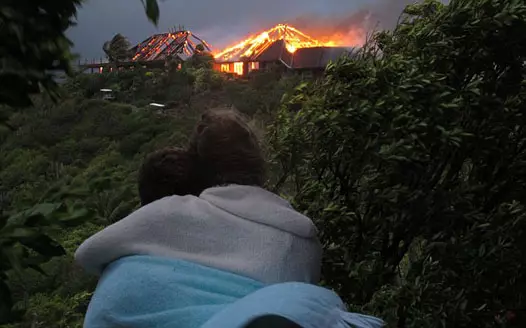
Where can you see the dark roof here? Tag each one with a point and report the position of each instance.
(275, 52)
(317, 57)
(272, 53)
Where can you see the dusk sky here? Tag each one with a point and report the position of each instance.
(218, 22)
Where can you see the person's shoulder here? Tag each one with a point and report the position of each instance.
(174, 199)
(171, 204)
(162, 209)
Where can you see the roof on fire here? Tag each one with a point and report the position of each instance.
(163, 45)
(302, 58)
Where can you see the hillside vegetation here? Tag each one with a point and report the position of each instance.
(412, 159)
(410, 156)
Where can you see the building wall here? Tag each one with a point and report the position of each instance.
(245, 68)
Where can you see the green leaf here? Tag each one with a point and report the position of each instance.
(6, 302)
(19, 233)
(14, 258)
(75, 218)
(45, 246)
(152, 10)
(36, 219)
(38, 269)
(46, 209)
(3, 221)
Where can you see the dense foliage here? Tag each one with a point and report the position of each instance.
(33, 44)
(33, 49)
(412, 158)
(85, 147)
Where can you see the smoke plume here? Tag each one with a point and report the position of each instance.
(351, 27)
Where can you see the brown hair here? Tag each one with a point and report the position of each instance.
(227, 150)
(223, 150)
(167, 172)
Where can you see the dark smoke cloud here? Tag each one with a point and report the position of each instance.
(223, 22)
(352, 26)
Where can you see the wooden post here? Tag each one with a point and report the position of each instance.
(245, 68)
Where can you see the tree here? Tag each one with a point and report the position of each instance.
(33, 48)
(201, 58)
(199, 48)
(117, 49)
(412, 158)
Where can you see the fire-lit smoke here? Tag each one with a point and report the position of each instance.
(348, 29)
(343, 30)
(352, 28)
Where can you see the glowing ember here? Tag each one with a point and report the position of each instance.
(255, 45)
(161, 46)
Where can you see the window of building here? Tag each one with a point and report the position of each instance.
(225, 67)
(253, 66)
(238, 68)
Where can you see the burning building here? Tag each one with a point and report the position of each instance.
(282, 45)
(181, 44)
(154, 51)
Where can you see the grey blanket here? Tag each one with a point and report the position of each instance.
(240, 229)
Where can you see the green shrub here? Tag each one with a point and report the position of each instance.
(411, 156)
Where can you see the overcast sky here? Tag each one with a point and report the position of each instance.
(219, 22)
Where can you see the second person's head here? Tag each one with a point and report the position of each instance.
(227, 150)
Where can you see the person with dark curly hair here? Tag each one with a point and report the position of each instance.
(167, 172)
(212, 248)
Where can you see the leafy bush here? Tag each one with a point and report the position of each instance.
(411, 156)
(95, 155)
(33, 44)
(33, 48)
(262, 93)
(206, 79)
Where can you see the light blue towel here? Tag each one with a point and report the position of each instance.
(241, 229)
(150, 292)
(306, 305)
(146, 291)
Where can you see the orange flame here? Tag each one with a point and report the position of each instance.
(179, 42)
(294, 39)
